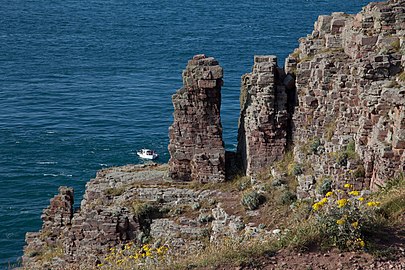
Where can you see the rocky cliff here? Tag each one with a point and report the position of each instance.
(337, 108)
(349, 122)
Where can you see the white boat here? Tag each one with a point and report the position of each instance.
(147, 154)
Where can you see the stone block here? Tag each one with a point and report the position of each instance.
(367, 41)
(265, 58)
(207, 83)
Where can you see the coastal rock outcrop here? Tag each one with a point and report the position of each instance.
(264, 121)
(349, 123)
(196, 147)
(130, 204)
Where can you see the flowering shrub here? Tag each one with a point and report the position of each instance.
(134, 257)
(341, 214)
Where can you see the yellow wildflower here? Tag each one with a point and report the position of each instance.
(323, 201)
(373, 204)
(355, 224)
(330, 193)
(146, 247)
(341, 203)
(348, 185)
(340, 221)
(360, 242)
(316, 206)
(100, 265)
(354, 193)
(162, 250)
(360, 199)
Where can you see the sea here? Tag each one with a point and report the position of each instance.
(84, 84)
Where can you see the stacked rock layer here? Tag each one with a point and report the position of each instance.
(196, 147)
(264, 118)
(350, 120)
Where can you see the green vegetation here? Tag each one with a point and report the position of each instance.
(115, 191)
(359, 172)
(349, 153)
(47, 253)
(296, 53)
(345, 219)
(393, 198)
(396, 45)
(288, 197)
(311, 146)
(341, 214)
(287, 164)
(144, 209)
(295, 169)
(251, 199)
(324, 186)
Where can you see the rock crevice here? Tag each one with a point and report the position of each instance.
(264, 123)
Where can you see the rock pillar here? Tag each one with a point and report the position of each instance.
(264, 118)
(60, 211)
(196, 147)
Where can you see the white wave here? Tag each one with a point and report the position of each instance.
(50, 174)
(47, 162)
(66, 175)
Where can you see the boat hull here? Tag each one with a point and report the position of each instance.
(150, 157)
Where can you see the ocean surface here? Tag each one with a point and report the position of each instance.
(84, 84)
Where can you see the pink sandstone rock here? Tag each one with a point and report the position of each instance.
(263, 122)
(196, 147)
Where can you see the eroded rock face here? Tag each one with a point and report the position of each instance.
(264, 120)
(56, 218)
(196, 147)
(349, 124)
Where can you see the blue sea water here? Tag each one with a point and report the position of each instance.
(83, 84)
